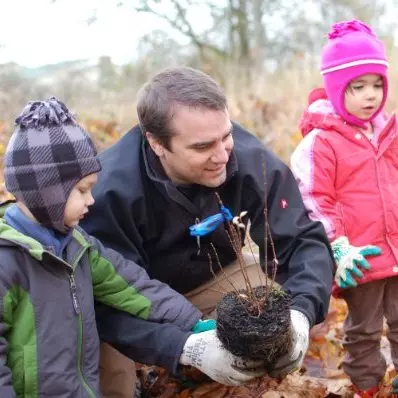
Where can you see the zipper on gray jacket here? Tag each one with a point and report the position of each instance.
(72, 282)
(75, 300)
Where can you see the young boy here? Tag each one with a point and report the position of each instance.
(51, 270)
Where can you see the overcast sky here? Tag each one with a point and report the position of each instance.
(38, 32)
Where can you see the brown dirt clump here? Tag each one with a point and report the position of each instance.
(251, 332)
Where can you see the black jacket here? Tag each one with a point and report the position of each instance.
(142, 214)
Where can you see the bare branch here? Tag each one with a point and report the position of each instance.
(181, 24)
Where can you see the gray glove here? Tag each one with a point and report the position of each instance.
(294, 358)
(205, 352)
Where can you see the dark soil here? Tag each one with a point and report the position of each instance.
(250, 335)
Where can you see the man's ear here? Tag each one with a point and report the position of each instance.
(154, 143)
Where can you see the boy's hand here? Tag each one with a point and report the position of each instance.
(349, 260)
(203, 326)
(395, 385)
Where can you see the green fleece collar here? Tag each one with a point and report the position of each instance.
(35, 248)
(10, 234)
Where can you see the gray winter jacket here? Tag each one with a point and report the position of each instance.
(49, 345)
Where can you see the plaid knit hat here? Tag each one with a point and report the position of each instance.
(46, 156)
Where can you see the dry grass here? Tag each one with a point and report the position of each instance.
(270, 106)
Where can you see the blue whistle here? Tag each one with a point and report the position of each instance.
(211, 223)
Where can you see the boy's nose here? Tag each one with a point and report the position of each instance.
(91, 200)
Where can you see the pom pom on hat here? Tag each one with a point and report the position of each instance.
(342, 28)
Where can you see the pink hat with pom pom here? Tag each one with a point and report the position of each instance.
(353, 50)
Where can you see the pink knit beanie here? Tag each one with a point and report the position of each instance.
(353, 50)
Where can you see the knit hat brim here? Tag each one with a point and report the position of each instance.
(45, 193)
(47, 155)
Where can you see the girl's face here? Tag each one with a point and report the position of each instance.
(364, 95)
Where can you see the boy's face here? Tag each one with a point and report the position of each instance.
(364, 96)
(79, 200)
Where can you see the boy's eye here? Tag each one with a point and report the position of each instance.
(82, 191)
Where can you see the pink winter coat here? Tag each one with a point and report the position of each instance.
(350, 183)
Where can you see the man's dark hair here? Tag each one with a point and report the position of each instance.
(173, 87)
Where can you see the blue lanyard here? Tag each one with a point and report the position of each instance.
(211, 223)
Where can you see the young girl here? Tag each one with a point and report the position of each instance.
(347, 170)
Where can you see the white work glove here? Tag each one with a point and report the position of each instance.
(294, 358)
(205, 352)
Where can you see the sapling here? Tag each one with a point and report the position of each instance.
(254, 322)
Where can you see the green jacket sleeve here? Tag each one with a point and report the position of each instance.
(6, 387)
(124, 285)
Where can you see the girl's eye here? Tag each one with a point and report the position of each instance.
(379, 85)
(82, 191)
(357, 87)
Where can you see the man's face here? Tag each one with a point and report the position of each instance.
(199, 150)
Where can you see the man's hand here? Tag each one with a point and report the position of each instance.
(349, 260)
(205, 352)
(294, 358)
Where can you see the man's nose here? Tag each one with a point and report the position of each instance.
(221, 155)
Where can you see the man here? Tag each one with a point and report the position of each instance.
(168, 174)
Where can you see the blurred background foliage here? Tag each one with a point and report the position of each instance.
(264, 53)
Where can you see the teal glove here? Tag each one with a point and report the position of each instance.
(204, 326)
(349, 260)
(395, 385)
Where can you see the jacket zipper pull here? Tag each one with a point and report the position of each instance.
(75, 300)
(197, 221)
